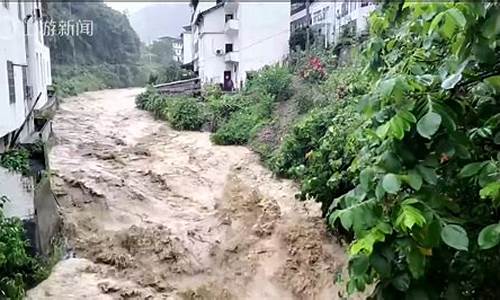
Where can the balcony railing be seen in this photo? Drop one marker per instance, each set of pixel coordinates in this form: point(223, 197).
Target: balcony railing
point(232, 26)
point(233, 56)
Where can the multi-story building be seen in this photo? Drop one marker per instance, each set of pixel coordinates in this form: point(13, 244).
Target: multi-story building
point(330, 20)
point(232, 38)
point(176, 47)
point(24, 68)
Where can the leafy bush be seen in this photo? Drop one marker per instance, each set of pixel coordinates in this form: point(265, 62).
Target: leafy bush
point(221, 108)
point(244, 122)
point(184, 113)
point(424, 211)
point(314, 70)
point(16, 160)
point(211, 91)
point(318, 152)
point(273, 80)
point(18, 270)
point(143, 98)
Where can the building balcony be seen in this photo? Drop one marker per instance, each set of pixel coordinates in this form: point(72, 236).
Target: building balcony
point(232, 57)
point(232, 26)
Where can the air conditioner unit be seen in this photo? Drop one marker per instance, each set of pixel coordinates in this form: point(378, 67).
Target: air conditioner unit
point(219, 52)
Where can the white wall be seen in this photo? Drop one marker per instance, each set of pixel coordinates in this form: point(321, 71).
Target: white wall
point(11, 48)
point(20, 192)
point(38, 57)
point(211, 38)
point(187, 55)
point(263, 36)
point(211, 65)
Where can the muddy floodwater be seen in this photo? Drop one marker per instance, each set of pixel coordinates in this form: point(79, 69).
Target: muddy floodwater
point(154, 213)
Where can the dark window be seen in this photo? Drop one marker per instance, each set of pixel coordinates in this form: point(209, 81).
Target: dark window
point(229, 17)
point(12, 85)
point(19, 10)
point(229, 48)
point(344, 9)
point(25, 85)
point(364, 3)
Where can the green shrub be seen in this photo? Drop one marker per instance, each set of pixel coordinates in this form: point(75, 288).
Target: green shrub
point(244, 122)
point(16, 160)
point(424, 211)
point(18, 270)
point(211, 91)
point(141, 100)
point(273, 80)
point(221, 108)
point(184, 113)
point(318, 152)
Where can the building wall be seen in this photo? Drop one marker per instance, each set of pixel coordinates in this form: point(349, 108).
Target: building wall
point(12, 48)
point(211, 38)
point(187, 50)
point(38, 56)
point(263, 40)
point(20, 192)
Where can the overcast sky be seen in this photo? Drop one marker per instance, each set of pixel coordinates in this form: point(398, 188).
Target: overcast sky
point(130, 6)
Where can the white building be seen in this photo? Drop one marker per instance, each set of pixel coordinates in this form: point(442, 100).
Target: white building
point(24, 68)
point(187, 43)
point(231, 38)
point(178, 52)
point(331, 19)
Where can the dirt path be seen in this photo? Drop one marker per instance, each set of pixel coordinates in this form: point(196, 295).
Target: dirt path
point(153, 213)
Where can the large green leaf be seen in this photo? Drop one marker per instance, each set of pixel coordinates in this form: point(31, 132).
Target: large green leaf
point(451, 81)
point(429, 124)
point(408, 217)
point(489, 236)
point(428, 174)
point(391, 183)
point(494, 81)
point(358, 265)
point(455, 236)
point(457, 16)
point(471, 169)
point(414, 180)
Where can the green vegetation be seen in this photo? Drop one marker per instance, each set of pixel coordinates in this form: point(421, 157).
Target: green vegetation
point(16, 160)
point(185, 113)
point(402, 148)
point(18, 269)
point(424, 209)
point(182, 112)
point(109, 58)
point(112, 57)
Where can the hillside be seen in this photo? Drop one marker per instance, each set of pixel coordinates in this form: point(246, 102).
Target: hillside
point(108, 58)
point(162, 19)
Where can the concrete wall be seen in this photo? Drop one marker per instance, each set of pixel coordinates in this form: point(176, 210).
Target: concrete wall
point(11, 49)
point(264, 34)
point(187, 49)
point(20, 191)
point(47, 217)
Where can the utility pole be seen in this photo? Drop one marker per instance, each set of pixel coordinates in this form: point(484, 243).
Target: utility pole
point(308, 20)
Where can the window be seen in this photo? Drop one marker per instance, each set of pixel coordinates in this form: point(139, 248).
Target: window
point(364, 3)
point(25, 84)
point(229, 48)
point(229, 17)
point(12, 84)
point(19, 10)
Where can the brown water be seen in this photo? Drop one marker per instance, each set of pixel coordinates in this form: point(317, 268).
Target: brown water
point(154, 213)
